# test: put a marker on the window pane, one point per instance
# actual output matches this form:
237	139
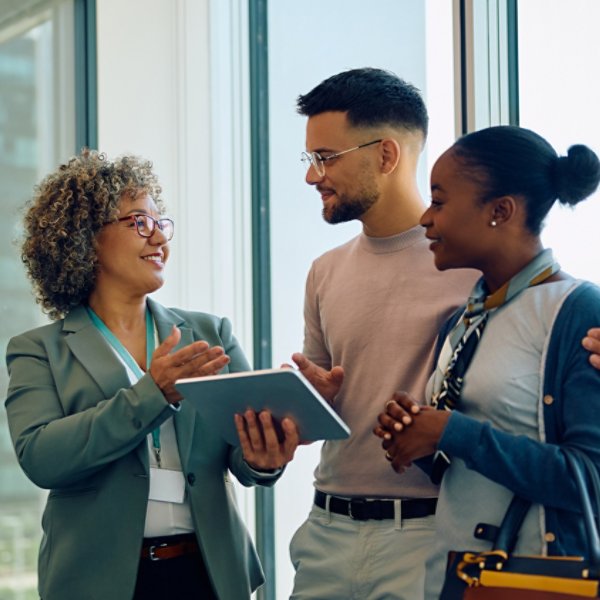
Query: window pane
559	98
30	76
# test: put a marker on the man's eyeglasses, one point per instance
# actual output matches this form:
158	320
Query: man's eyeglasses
145	225
318	161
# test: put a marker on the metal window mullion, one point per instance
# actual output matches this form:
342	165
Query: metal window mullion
486	40
261	269
86	74
512	29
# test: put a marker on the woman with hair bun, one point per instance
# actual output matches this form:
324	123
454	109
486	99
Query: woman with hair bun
513	385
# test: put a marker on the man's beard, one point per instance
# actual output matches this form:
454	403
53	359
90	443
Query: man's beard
349	208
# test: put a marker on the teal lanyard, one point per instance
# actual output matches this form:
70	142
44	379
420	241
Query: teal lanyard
128	360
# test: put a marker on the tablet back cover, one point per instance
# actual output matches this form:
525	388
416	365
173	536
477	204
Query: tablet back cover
284	392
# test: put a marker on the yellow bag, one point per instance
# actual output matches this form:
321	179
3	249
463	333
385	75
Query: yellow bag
500	575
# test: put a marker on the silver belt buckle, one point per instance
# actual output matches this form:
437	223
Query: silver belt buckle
151	550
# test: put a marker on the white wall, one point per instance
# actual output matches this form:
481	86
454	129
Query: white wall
171	89
141	110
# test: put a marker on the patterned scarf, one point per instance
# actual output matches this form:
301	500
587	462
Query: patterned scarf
461	343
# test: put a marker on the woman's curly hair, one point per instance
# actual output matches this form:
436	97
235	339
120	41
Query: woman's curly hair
66	213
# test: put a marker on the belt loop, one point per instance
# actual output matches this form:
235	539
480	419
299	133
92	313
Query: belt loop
397	514
327	501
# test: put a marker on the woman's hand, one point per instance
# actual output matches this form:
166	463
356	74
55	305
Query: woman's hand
261	446
417	441
194	360
398	413
409	431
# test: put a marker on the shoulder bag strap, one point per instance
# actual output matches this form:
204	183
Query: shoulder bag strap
581	465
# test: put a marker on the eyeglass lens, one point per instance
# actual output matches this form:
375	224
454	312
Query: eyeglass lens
314	159
145	225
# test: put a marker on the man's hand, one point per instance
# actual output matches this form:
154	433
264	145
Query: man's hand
592	343
259	441
327	383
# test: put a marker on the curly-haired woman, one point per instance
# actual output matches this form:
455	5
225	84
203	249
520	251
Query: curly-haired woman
140	502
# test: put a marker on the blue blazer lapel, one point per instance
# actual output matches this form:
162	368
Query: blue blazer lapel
185	418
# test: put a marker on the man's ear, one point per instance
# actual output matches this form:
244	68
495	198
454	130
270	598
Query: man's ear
390	153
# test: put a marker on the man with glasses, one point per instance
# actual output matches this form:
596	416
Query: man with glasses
373	308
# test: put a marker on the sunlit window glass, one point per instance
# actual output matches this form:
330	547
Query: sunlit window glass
32	78
559	95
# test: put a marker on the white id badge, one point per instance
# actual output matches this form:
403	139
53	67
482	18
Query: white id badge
166	485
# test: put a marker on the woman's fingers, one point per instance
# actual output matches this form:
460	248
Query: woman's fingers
406	402
168	343
292	438
260	441
197	359
208	362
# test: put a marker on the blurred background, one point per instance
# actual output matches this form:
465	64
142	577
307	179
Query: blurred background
206	89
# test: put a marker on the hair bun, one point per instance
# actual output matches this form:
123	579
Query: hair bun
576	175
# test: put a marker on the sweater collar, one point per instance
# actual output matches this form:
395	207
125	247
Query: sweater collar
392	243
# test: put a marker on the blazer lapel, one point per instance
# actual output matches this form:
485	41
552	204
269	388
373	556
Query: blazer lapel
185	418
91	349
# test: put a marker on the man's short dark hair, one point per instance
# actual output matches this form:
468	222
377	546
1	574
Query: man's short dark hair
370	97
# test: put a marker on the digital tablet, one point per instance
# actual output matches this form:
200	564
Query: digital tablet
284	392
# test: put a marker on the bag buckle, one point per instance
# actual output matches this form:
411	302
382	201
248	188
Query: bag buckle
470	558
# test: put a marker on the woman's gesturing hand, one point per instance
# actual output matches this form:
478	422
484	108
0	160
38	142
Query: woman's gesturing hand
194	360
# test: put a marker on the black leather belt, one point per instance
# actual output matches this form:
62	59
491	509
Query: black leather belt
363	509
